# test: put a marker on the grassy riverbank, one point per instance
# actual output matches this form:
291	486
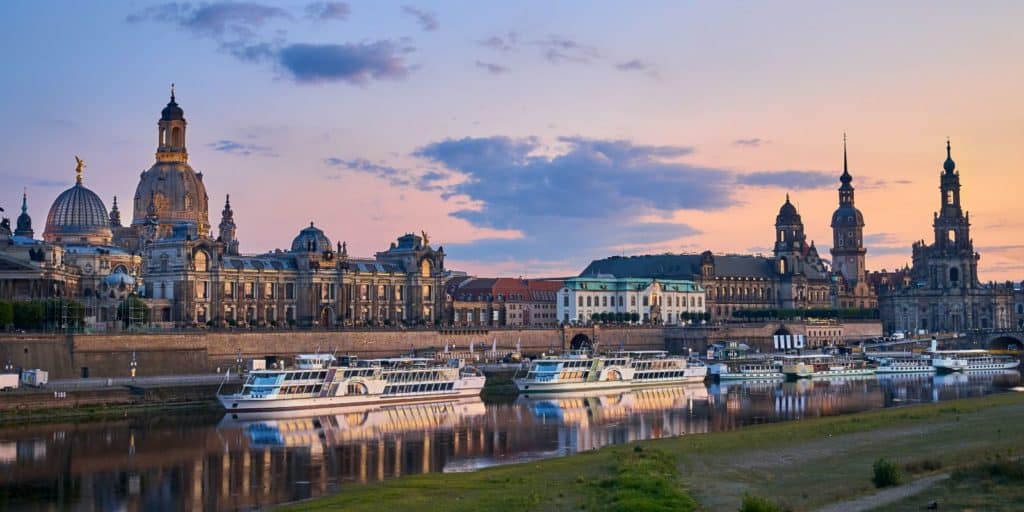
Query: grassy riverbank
802	465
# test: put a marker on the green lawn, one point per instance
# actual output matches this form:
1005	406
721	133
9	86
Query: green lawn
800	464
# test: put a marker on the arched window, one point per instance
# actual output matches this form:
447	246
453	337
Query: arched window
201	261
954	275
782	266
425	268
176	138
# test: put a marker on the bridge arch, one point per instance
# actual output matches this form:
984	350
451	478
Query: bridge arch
580	342
1006	342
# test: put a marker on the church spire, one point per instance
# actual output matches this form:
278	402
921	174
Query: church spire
115	215
24	226
227	227
949	165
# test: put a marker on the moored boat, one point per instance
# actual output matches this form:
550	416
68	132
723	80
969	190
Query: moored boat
321	380
902	362
948	361
823	365
748	369
580	371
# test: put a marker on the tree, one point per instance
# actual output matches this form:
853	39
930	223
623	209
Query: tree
6	314
28	314
595	317
619	317
634	317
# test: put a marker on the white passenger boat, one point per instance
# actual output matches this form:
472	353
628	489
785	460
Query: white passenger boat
320	380
747	369
582	371
902	363
947	361
823	365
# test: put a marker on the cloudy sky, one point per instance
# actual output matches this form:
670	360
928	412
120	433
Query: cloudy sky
530	137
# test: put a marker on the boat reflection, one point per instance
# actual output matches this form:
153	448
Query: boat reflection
333	427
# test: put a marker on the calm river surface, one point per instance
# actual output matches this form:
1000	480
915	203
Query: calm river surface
216	462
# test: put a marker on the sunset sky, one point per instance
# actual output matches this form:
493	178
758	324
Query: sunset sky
529	138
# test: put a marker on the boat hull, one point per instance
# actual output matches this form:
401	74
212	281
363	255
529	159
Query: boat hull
830	373
751	376
239	404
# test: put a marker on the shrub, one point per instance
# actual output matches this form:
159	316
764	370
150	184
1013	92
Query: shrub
886	474
758	504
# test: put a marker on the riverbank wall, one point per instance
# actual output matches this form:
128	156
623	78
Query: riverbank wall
72	356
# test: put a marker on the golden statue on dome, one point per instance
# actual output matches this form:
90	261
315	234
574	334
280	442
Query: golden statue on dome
79	166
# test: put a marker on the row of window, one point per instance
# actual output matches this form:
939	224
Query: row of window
602	301
414	376
319	375
658	375
300	390
418	388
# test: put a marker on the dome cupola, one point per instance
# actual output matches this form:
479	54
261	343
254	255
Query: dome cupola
311	239
787	214
171	186
78	216
172	112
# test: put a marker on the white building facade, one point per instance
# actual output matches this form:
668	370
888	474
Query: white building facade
584	300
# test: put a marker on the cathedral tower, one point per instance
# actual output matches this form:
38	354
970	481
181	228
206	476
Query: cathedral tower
954	263
790	241
848	230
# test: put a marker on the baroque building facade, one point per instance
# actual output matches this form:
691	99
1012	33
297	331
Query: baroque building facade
651	301
169	258
795	276
941	291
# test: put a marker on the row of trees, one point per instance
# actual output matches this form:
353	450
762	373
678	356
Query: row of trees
620	317
822	313
42	314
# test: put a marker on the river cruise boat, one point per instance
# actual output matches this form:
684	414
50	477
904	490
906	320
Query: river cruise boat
947	361
823	365
583	371
761	368
901	362
321	380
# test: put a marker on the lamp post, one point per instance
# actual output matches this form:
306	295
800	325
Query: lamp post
238	361
134	364
9	367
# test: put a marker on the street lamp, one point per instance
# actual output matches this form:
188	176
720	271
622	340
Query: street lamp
238	360
134	364
9	367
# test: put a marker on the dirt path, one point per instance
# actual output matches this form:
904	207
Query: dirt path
891	495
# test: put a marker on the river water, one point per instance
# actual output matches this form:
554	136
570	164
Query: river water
217	462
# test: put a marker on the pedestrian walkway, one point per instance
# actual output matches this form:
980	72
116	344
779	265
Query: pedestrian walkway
162	380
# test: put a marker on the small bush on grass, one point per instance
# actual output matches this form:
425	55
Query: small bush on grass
886	474
758	504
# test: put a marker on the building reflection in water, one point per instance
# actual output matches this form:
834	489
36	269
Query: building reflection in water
203	462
